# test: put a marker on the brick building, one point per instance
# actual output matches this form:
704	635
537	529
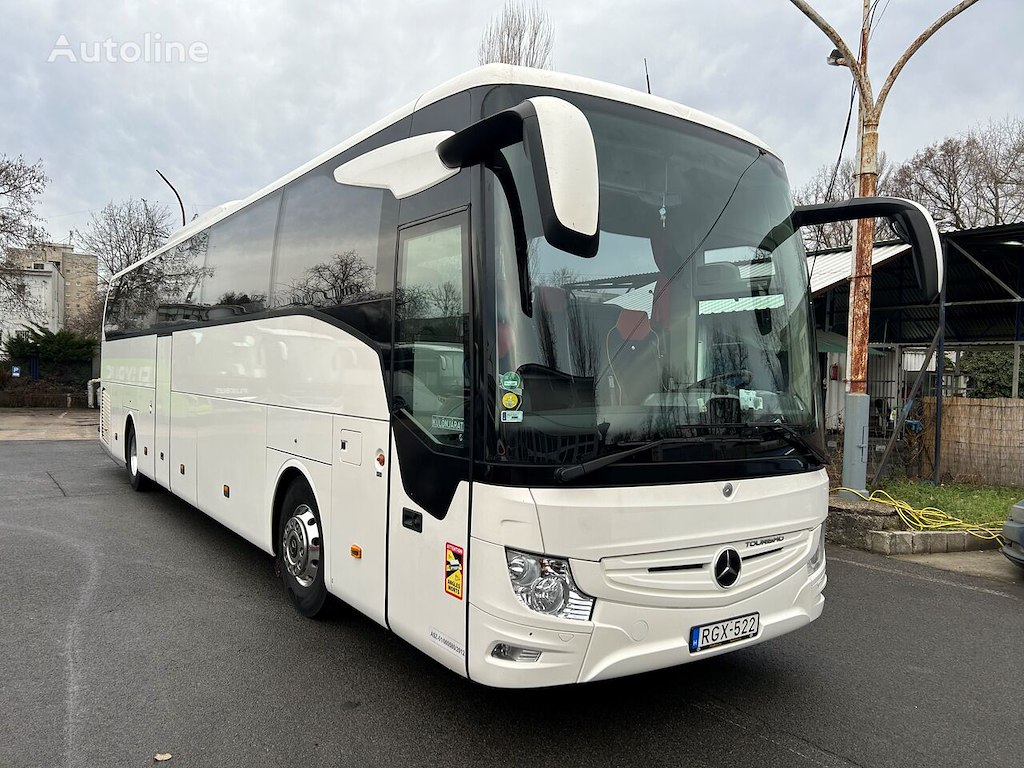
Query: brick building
64	283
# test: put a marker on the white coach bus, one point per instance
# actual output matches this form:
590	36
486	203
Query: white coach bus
523	372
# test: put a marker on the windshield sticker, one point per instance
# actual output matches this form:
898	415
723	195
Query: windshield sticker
511	381
750	400
453	560
449	423
512	416
510	400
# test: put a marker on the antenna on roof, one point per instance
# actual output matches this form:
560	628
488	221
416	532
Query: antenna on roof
180	204
648	74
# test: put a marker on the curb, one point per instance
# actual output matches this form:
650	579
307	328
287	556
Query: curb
877	528
925	542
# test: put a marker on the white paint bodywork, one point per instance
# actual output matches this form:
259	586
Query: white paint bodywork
405	167
612	537
235	407
573	179
222	405
227	414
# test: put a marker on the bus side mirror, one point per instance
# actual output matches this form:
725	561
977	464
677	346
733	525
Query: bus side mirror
560	146
405	167
912	222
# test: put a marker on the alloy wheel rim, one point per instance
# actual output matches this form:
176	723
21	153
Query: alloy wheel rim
300	545
133	455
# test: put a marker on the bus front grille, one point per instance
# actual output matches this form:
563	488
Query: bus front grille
685	577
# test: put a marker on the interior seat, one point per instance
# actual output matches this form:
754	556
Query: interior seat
634	355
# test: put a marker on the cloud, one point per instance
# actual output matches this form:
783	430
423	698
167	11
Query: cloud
286	80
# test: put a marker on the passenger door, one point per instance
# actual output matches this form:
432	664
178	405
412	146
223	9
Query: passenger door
429	462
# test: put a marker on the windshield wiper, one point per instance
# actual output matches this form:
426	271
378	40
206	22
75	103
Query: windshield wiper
572	471
795	439
784	431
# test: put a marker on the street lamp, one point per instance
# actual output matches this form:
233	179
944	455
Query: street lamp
855	421
835	59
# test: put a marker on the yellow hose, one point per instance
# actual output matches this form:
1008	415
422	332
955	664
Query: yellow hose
932	519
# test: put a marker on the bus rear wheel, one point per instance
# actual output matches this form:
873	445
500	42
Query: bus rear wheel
300	550
137	480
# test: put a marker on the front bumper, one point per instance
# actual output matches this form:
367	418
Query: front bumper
624	639
1013	550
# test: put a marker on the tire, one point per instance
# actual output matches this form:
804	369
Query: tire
137	480
299	550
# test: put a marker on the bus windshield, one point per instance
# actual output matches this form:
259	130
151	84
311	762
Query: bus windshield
690	322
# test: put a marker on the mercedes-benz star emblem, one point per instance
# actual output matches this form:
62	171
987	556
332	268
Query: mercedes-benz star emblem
727	568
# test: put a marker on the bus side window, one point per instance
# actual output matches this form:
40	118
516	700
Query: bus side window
336	250
160	292
237	274
431	330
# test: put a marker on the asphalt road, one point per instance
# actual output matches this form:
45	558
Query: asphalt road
131	624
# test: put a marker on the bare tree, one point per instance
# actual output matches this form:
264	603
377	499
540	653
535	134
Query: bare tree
161	289
974	180
120	235
20	184
940	178
997	157
563	276
123	233
341	279
839	234
446	299
521	34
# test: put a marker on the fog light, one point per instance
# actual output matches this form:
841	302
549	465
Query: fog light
507	652
545	585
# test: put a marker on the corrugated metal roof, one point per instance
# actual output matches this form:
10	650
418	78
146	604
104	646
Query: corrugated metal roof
641	298
829	341
833	267
744	304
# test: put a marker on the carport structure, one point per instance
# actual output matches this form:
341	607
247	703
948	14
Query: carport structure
981	305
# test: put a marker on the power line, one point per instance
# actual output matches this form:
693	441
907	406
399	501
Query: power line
842	145
875	22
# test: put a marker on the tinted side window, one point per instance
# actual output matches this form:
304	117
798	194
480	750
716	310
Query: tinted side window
163	291
336	251
430	358
238	261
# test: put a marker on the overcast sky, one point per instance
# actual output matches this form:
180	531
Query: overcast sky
284	80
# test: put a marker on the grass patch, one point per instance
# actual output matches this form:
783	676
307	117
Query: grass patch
971	503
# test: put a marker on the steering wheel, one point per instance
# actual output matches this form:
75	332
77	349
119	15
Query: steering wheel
742	378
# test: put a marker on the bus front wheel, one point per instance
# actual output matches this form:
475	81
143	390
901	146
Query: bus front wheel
300	550
137	480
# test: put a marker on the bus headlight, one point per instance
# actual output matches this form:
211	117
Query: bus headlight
544	584
818	557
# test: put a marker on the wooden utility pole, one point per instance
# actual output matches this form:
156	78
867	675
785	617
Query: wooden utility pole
857	402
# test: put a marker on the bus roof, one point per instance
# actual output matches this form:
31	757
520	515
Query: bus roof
489	74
